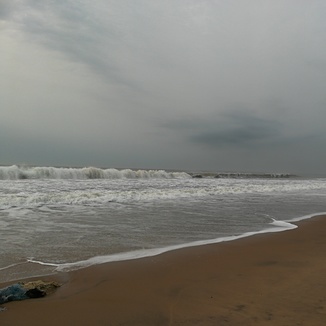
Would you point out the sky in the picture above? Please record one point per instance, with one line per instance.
(216, 85)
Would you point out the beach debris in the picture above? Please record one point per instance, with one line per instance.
(27, 290)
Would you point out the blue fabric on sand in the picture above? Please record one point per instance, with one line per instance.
(13, 292)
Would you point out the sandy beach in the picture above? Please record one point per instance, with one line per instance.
(267, 279)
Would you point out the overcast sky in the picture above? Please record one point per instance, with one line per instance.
(222, 85)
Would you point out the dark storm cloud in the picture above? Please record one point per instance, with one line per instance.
(239, 130)
(245, 136)
(228, 129)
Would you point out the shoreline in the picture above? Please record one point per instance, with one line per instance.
(271, 278)
(275, 226)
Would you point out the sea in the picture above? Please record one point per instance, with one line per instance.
(56, 219)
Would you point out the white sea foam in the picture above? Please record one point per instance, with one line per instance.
(283, 224)
(40, 192)
(11, 265)
(305, 217)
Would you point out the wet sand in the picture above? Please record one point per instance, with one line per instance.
(267, 279)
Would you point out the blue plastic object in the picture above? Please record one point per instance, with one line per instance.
(12, 293)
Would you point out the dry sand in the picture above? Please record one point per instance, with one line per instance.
(269, 279)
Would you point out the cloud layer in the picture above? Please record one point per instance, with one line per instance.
(180, 84)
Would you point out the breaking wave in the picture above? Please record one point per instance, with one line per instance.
(15, 172)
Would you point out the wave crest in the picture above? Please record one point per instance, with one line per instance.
(15, 172)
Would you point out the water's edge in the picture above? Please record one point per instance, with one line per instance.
(276, 226)
(36, 267)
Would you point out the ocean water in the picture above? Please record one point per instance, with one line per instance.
(57, 219)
